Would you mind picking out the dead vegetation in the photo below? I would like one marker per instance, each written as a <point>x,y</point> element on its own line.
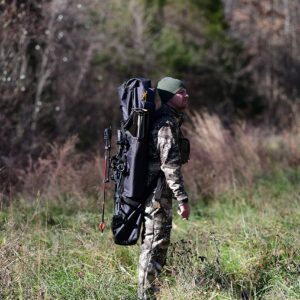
<point>222,159</point>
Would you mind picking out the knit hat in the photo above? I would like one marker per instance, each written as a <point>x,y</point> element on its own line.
<point>167,87</point>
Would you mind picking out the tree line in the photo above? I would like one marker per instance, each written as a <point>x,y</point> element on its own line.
<point>62,61</point>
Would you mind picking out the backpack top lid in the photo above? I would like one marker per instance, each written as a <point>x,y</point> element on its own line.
<point>136,93</point>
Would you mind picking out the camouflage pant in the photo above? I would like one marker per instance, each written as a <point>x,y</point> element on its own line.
<point>155,242</point>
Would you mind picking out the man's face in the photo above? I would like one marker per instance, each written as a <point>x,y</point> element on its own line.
<point>180,100</point>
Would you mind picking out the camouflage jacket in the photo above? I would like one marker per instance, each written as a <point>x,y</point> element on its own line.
<point>164,152</point>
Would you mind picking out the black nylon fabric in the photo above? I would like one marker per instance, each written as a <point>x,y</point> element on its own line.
<point>131,95</point>
<point>137,103</point>
<point>137,162</point>
<point>126,225</point>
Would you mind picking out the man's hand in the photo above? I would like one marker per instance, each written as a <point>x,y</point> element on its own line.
<point>184,211</point>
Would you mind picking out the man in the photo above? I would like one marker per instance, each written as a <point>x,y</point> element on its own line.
<point>165,162</point>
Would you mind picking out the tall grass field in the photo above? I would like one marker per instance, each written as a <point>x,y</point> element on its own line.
<point>243,244</point>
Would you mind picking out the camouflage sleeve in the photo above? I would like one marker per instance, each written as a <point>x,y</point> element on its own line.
<point>167,144</point>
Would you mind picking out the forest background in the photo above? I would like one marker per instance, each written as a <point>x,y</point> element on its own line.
<point>61,62</point>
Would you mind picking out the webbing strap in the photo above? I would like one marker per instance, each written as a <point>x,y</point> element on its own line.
<point>159,187</point>
<point>157,182</point>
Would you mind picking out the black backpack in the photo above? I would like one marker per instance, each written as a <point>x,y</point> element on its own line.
<point>137,103</point>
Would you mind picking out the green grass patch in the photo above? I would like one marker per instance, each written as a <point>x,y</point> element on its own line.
<point>243,245</point>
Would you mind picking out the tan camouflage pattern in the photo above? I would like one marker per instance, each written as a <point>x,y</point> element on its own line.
<point>164,155</point>
<point>155,242</point>
<point>164,150</point>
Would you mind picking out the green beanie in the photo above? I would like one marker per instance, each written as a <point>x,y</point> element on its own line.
<point>167,87</point>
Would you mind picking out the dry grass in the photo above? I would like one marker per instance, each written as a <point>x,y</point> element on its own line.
<point>63,171</point>
<point>223,159</point>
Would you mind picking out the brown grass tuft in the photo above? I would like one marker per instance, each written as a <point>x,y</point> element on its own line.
<point>223,158</point>
<point>63,171</point>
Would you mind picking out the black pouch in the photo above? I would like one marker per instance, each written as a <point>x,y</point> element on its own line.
<point>126,223</point>
<point>129,214</point>
<point>184,147</point>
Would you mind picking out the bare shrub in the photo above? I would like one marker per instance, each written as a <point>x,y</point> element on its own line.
<point>223,159</point>
<point>63,171</point>
<point>213,158</point>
